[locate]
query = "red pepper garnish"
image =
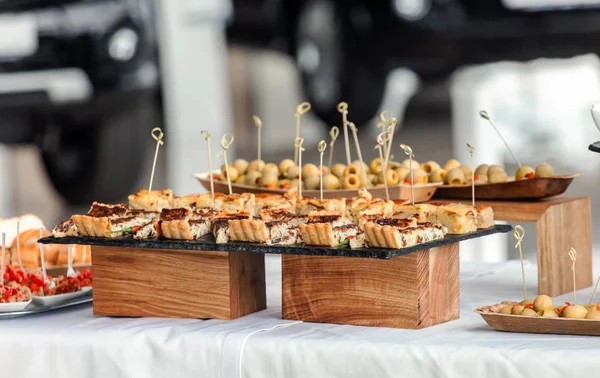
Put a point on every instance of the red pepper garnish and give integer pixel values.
(598, 306)
(529, 305)
(529, 175)
(407, 181)
(567, 303)
(286, 185)
(476, 177)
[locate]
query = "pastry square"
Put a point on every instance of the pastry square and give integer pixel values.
(235, 202)
(155, 200)
(306, 206)
(389, 236)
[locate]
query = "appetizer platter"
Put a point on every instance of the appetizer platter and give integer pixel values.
(36, 308)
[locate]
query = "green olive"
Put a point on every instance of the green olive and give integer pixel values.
(524, 172)
(494, 168)
(233, 173)
(402, 173)
(351, 181)
(406, 164)
(455, 176)
(338, 170)
(294, 183)
(271, 168)
(497, 177)
(452, 163)
(372, 179)
(312, 182)
(283, 183)
(394, 165)
(292, 172)
(241, 180)
(358, 164)
(331, 182)
(310, 170)
(391, 178)
(253, 178)
(241, 165)
(482, 170)
(269, 179)
(376, 166)
(419, 176)
(284, 165)
(544, 170)
(439, 175)
(430, 166)
(256, 165)
(466, 170)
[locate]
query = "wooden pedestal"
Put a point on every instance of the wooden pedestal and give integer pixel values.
(561, 223)
(417, 290)
(176, 283)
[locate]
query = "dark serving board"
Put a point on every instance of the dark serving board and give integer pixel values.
(36, 308)
(207, 243)
(595, 147)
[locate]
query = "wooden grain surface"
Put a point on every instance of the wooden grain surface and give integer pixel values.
(412, 291)
(181, 284)
(527, 324)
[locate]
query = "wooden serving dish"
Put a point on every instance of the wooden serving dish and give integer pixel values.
(423, 193)
(530, 324)
(536, 188)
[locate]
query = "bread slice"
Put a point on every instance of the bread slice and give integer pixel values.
(389, 236)
(155, 200)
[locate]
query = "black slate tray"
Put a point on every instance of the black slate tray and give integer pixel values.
(35, 308)
(595, 147)
(207, 243)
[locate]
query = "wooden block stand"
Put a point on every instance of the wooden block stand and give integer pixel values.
(177, 283)
(417, 290)
(561, 223)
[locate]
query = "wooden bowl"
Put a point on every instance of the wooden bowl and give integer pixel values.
(531, 324)
(423, 193)
(535, 188)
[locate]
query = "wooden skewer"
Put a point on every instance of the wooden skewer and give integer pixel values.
(206, 134)
(43, 261)
(321, 147)
(226, 142)
(391, 129)
(300, 110)
(333, 134)
(519, 234)
(2, 269)
(298, 143)
(343, 108)
(384, 118)
(258, 124)
(573, 257)
(409, 152)
(381, 143)
(471, 150)
(595, 288)
(354, 129)
(159, 142)
(483, 114)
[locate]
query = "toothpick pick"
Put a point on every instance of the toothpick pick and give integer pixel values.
(206, 134)
(483, 114)
(391, 130)
(595, 288)
(354, 129)
(298, 143)
(381, 143)
(409, 152)
(322, 146)
(343, 108)
(158, 138)
(3, 260)
(333, 134)
(258, 124)
(384, 117)
(519, 234)
(42, 256)
(19, 244)
(471, 150)
(573, 257)
(226, 142)
(300, 110)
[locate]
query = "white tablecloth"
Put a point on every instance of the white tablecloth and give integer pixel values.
(74, 343)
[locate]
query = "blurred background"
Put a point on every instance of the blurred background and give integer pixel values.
(82, 83)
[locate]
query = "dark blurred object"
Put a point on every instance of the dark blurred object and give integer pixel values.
(82, 84)
(345, 48)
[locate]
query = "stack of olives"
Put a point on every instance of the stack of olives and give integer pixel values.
(286, 174)
(455, 173)
(542, 306)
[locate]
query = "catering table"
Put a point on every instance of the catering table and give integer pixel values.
(74, 343)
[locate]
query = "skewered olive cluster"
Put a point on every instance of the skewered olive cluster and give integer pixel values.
(286, 174)
(455, 173)
(542, 306)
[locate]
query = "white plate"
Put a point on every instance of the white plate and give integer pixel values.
(51, 300)
(86, 289)
(14, 306)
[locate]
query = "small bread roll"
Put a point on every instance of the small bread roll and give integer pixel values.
(506, 310)
(450, 164)
(528, 312)
(439, 175)
(575, 312)
(430, 166)
(542, 302)
(517, 310)
(455, 176)
(241, 165)
(482, 170)
(524, 172)
(338, 170)
(544, 170)
(497, 177)
(406, 164)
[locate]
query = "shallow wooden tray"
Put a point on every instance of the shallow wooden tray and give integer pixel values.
(536, 188)
(530, 324)
(207, 243)
(423, 193)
